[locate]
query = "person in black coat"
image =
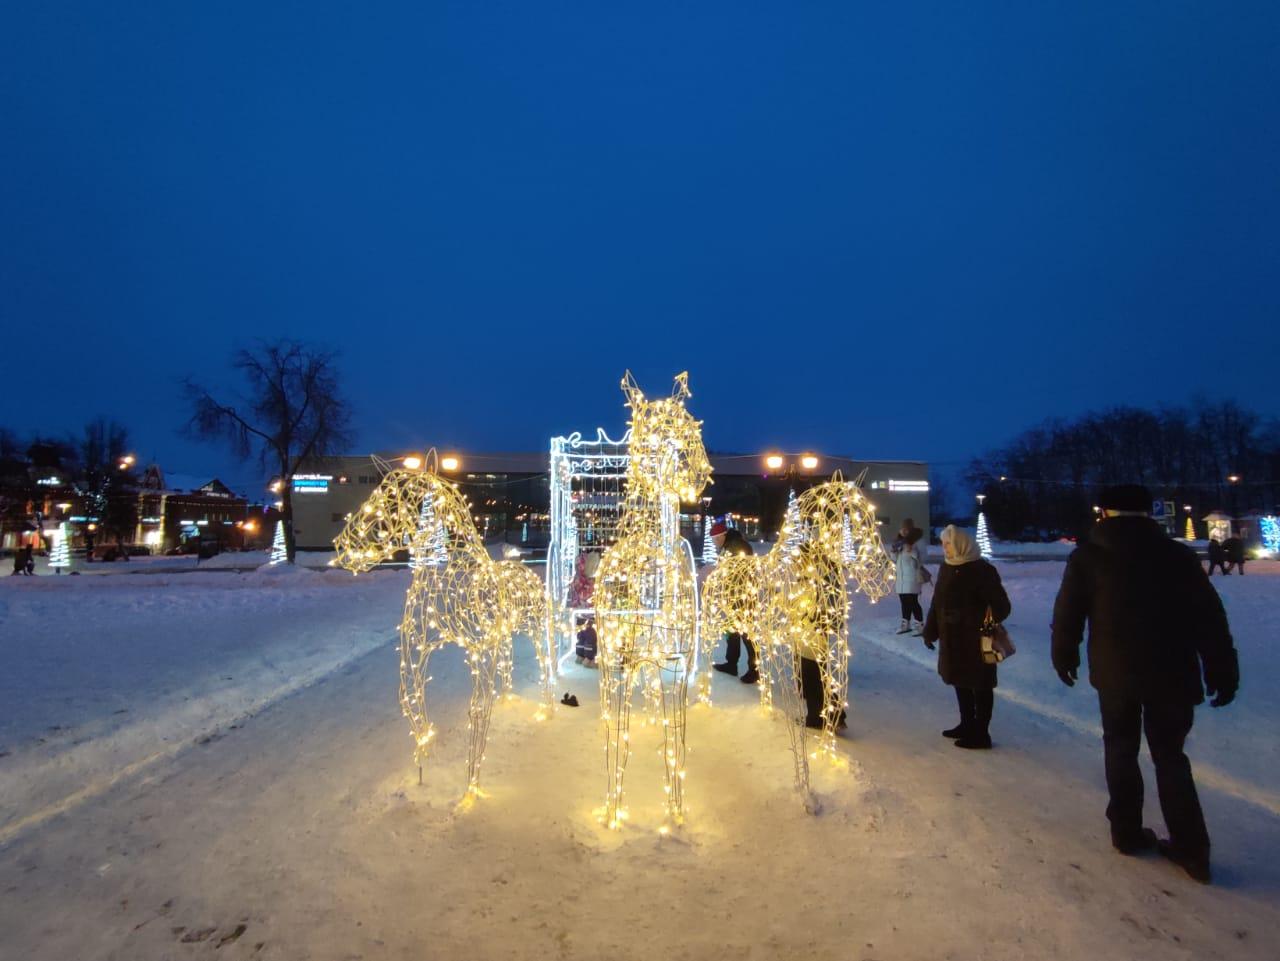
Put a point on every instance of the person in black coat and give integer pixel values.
(729, 541)
(968, 587)
(1155, 624)
(1217, 556)
(1233, 548)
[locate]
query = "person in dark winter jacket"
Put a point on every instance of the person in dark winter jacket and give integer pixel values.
(729, 541)
(1233, 548)
(1155, 624)
(968, 587)
(1217, 556)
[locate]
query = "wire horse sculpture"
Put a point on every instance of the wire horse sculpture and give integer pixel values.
(646, 590)
(458, 595)
(795, 602)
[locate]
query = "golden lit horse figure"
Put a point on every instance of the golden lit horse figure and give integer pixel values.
(794, 601)
(646, 590)
(458, 595)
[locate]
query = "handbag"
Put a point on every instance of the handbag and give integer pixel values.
(997, 645)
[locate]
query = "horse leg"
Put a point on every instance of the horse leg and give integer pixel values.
(484, 666)
(415, 654)
(674, 672)
(784, 676)
(616, 680)
(835, 682)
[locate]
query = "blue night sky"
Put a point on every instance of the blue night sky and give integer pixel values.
(893, 230)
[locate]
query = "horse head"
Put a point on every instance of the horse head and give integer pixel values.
(666, 451)
(409, 509)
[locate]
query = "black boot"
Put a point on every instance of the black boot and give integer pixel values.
(1130, 845)
(1195, 863)
(978, 737)
(727, 668)
(964, 698)
(750, 677)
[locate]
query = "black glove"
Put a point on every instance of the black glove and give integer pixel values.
(1224, 696)
(931, 645)
(1069, 675)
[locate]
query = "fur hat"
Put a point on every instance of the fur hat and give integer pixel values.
(1130, 498)
(719, 527)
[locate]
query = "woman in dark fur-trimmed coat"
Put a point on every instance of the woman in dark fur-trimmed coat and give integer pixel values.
(967, 586)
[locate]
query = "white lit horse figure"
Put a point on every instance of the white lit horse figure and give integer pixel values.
(458, 595)
(794, 601)
(646, 590)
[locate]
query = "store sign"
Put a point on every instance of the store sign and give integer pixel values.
(311, 483)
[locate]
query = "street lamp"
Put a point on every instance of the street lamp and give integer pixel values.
(808, 462)
(412, 462)
(774, 461)
(450, 462)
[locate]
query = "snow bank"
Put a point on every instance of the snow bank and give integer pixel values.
(105, 675)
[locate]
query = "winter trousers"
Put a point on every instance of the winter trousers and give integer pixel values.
(733, 650)
(976, 705)
(814, 692)
(1220, 565)
(911, 607)
(1167, 726)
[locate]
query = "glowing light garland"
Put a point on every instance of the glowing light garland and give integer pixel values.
(60, 555)
(469, 600)
(646, 592)
(794, 601)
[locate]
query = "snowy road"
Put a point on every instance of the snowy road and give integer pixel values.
(300, 832)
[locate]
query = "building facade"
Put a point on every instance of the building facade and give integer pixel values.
(510, 492)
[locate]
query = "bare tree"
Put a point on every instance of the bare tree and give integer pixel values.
(292, 410)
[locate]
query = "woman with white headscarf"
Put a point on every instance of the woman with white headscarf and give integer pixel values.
(968, 587)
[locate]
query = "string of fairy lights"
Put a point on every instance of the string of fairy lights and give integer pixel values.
(646, 592)
(794, 601)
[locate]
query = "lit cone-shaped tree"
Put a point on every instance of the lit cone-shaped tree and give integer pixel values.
(278, 554)
(435, 550)
(60, 556)
(709, 555)
(1191, 530)
(983, 538)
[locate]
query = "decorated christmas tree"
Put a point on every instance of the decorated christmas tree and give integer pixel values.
(434, 551)
(60, 555)
(278, 553)
(1270, 530)
(709, 555)
(984, 539)
(1191, 530)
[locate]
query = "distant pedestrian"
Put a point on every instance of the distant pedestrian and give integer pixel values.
(28, 560)
(910, 576)
(1217, 556)
(729, 541)
(968, 596)
(1233, 548)
(1155, 623)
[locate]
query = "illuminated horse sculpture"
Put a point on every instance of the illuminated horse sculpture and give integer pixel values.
(458, 595)
(795, 602)
(646, 589)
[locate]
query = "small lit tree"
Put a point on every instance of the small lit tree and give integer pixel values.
(60, 555)
(278, 552)
(984, 539)
(709, 555)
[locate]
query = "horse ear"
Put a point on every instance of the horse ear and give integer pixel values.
(680, 389)
(631, 390)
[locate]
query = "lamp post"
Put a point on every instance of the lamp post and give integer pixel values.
(1233, 484)
(788, 470)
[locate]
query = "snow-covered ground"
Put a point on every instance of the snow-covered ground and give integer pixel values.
(282, 818)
